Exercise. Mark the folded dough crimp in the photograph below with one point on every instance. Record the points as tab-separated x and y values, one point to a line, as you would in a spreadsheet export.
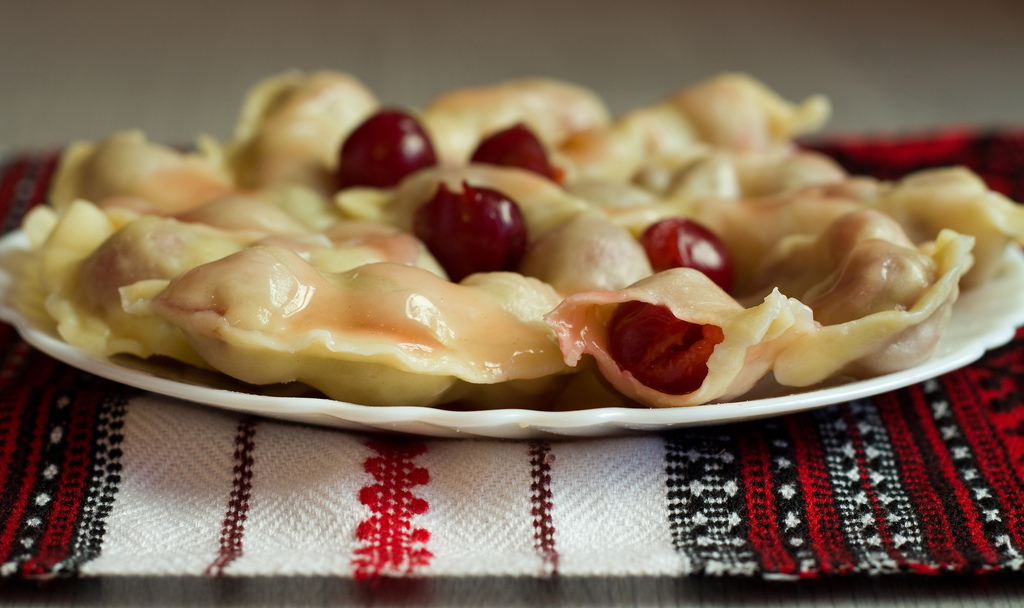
380	334
753	337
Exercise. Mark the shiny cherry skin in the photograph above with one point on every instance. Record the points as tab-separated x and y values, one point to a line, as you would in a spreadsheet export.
681	243
476	230
382	150
515	146
660	350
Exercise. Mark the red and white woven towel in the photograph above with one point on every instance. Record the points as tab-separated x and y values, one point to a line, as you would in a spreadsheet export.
100	479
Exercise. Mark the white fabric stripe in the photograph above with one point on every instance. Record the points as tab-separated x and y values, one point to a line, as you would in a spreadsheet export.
174	490
304	506
479	515
610	509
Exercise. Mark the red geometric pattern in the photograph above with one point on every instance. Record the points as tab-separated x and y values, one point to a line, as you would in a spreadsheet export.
389	541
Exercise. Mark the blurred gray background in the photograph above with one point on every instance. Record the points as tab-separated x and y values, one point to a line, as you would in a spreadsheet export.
78	70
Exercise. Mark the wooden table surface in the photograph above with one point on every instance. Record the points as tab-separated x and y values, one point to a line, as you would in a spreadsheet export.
79	70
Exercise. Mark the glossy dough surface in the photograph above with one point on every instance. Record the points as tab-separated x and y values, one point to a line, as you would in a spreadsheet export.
244	257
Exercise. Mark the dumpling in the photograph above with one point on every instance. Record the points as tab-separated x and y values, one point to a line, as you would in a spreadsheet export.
89	255
584	253
800	263
737	112
87	258
245	213
956	198
349	244
552	109
291	209
292	126
883	309
750	228
743	351
382	334
157	179
742	175
730	112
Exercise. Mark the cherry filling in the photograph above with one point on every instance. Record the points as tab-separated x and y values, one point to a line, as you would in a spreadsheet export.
476	230
681	243
662	351
385	148
516	146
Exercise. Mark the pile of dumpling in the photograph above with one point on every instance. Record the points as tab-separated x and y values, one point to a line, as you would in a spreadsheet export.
245	257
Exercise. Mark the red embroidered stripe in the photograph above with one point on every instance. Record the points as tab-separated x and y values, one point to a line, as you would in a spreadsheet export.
17	405
47	166
989	454
11	176
972	530
1000	377
74	473
233	529
541	459
388	541
11	360
30	189
755	465
938	532
11	420
18	491
62	471
823	518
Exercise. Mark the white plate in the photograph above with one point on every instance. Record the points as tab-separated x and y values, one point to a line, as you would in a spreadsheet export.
982	319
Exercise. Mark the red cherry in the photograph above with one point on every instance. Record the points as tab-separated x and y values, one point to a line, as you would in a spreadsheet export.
385	148
681	243
662	351
476	230
516	146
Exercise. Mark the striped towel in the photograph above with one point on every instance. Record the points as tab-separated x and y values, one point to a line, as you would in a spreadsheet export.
100	479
